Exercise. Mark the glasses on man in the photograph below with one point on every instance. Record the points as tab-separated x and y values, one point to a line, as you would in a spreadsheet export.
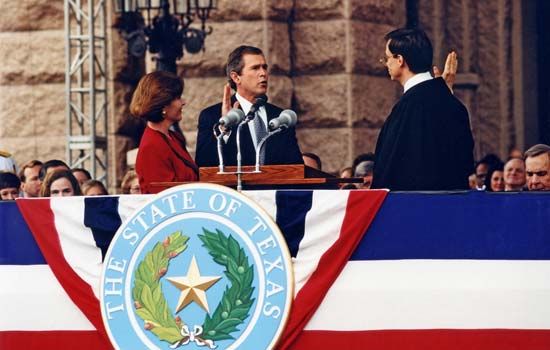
384	60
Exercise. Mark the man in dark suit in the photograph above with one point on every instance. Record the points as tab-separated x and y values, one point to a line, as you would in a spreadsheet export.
247	74
426	143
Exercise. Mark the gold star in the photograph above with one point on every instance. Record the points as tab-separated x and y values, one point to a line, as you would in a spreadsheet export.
193	287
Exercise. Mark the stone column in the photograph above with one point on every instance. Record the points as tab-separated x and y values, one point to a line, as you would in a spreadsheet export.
342	93
480	31
32	75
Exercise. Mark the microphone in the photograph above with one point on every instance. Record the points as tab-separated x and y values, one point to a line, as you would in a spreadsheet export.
286	119
233	117
260	101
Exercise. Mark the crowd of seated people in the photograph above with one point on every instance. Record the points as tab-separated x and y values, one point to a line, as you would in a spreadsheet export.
54	178
529	171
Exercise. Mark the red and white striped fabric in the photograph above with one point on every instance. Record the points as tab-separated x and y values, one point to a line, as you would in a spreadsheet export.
57	304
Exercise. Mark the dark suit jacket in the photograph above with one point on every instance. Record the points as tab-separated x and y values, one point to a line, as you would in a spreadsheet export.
281	148
426	143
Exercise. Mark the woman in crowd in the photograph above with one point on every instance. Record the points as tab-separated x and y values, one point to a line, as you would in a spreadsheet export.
60	183
130	183
162	154
494	181
94	188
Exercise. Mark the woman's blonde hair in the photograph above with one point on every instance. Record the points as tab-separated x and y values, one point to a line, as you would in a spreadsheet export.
126	182
154	92
88	185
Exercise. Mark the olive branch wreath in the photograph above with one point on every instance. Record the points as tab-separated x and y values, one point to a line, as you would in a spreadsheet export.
233	309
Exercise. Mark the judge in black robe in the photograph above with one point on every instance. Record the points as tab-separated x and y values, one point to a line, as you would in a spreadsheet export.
426	142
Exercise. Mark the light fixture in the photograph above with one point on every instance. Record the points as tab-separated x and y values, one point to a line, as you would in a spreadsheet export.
164	27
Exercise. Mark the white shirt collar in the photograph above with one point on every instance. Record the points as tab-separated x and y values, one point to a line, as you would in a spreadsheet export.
244	103
417	79
262	113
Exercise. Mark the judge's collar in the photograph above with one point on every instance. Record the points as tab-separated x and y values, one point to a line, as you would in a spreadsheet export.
416	79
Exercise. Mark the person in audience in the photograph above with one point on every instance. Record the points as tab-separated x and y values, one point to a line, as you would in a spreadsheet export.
312	160
346	172
93	188
130	183
60	183
537	167
361	158
30	178
364	170
514	175
162	154
482	167
494	181
82	175
472	181
51	166
515	153
9	186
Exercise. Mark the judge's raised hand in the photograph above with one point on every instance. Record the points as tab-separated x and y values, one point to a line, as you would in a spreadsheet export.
449	72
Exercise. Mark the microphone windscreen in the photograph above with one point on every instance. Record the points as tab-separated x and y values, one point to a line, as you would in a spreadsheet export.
290	116
287	118
233	117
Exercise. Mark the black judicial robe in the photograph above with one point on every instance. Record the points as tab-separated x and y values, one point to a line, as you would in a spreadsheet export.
426	143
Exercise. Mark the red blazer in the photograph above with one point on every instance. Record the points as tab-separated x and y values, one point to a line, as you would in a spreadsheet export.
160	159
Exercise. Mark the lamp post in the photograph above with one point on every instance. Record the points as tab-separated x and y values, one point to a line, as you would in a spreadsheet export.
166	33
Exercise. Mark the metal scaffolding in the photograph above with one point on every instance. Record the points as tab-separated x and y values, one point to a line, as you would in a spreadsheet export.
86	85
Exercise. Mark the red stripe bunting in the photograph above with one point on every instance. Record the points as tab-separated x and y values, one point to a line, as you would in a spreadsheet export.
47	238
361	209
51	340
429	339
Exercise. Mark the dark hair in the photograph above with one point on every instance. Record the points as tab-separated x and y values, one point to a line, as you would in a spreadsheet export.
82	170
415	47
154	92
45	190
50	164
537	150
490	159
235	61
492	168
9	180
29	164
315	157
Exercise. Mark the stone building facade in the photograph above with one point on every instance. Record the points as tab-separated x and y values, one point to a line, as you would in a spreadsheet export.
323	57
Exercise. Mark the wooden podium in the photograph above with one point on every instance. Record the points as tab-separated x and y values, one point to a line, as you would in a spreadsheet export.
296	176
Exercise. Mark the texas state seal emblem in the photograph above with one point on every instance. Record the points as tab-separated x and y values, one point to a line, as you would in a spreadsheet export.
199	266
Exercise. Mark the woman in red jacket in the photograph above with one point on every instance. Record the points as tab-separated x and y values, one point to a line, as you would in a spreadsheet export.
162	155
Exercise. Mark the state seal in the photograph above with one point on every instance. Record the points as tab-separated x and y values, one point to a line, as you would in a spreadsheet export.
199	266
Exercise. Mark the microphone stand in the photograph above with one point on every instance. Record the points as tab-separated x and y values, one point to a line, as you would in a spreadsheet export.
219	138
262	143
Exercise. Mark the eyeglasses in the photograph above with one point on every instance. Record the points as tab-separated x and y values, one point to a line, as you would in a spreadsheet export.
384	60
